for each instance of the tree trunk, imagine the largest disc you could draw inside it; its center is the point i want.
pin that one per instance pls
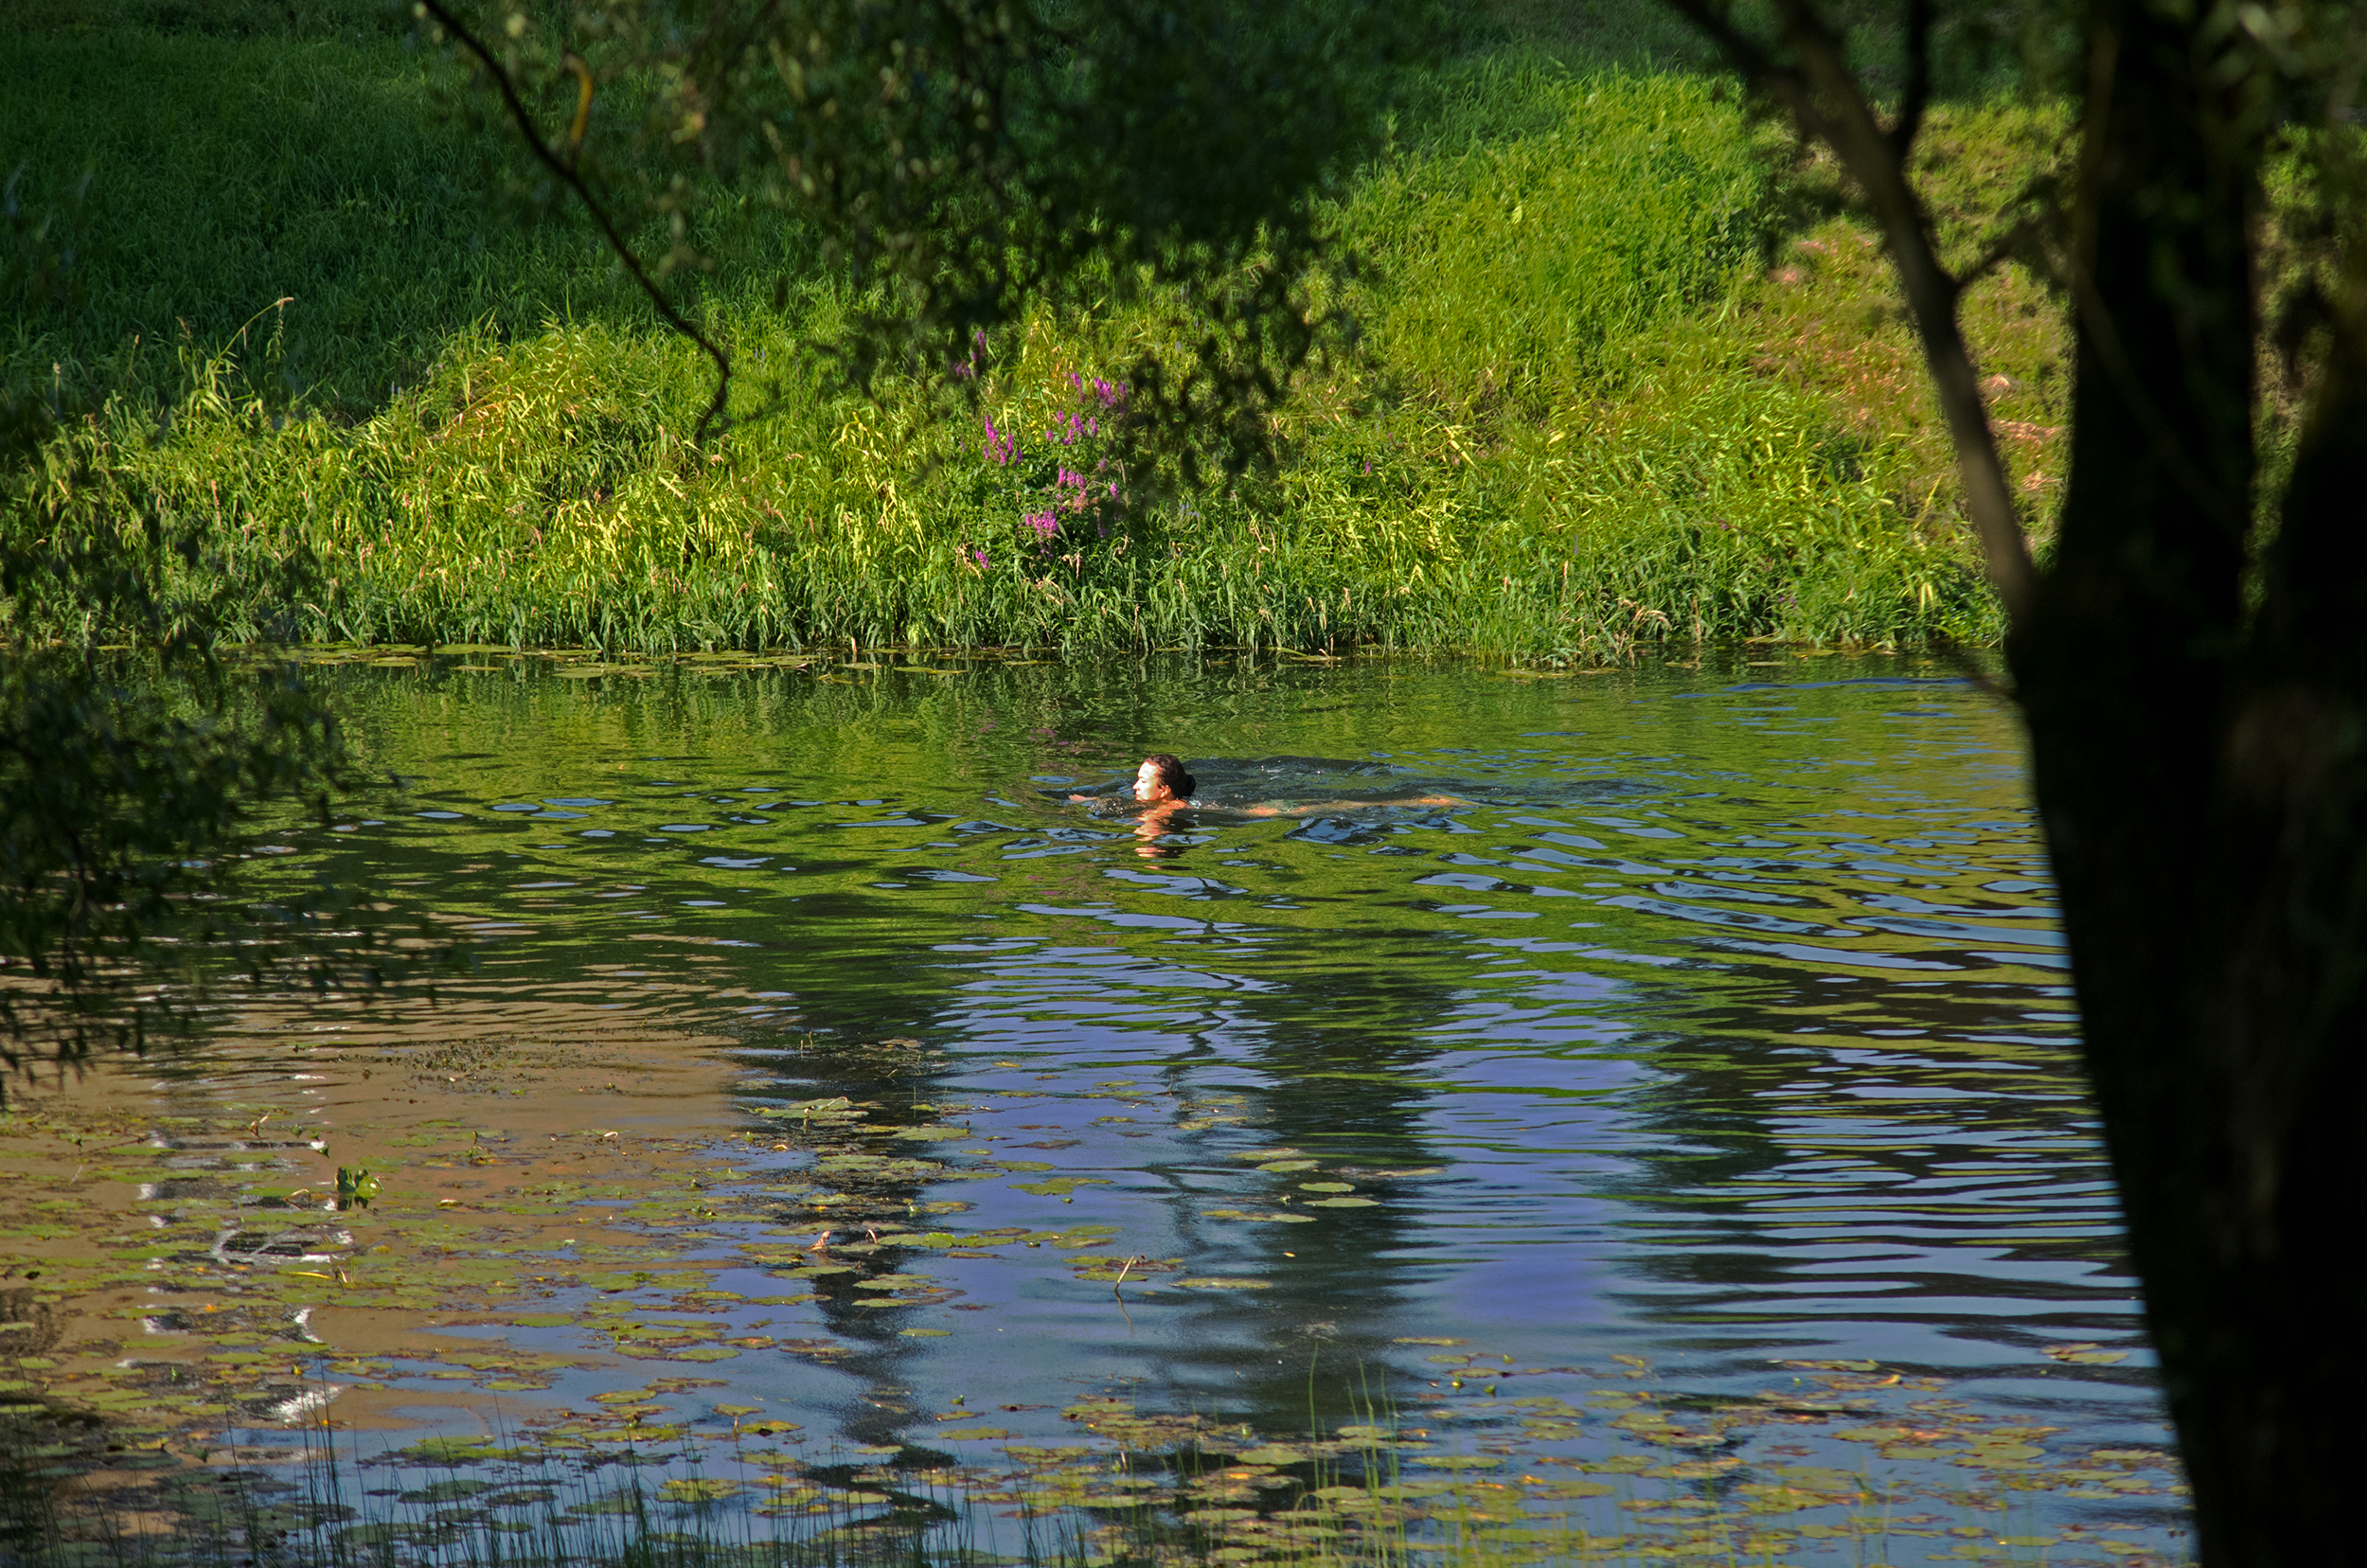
(2197, 769)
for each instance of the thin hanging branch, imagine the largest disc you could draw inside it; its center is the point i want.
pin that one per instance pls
(562, 168)
(1828, 104)
(1918, 95)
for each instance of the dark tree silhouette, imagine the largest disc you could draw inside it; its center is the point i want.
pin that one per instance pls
(139, 767)
(2192, 676)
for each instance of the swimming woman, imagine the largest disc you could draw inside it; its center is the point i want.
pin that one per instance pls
(1163, 785)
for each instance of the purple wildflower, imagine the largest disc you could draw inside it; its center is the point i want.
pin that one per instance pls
(1044, 523)
(1002, 448)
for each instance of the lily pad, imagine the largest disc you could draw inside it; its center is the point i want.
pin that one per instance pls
(697, 1490)
(2084, 1355)
(454, 1451)
(1813, 1478)
(1261, 1216)
(2003, 1453)
(1272, 1454)
(1223, 1282)
(1060, 1186)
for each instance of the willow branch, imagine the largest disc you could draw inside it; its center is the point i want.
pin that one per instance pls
(1918, 95)
(563, 171)
(1825, 101)
(583, 68)
(2013, 243)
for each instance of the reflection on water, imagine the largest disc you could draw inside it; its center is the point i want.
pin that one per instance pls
(1734, 1011)
(1725, 1027)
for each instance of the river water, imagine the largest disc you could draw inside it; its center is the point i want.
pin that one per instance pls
(1718, 1037)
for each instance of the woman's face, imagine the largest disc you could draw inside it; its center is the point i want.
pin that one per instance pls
(1148, 786)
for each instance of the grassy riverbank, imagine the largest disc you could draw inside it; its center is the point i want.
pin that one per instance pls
(1629, 375)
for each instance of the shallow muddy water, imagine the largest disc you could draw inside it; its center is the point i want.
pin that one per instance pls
(1702, 1083)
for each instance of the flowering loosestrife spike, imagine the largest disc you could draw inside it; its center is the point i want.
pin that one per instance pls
(1082, 490)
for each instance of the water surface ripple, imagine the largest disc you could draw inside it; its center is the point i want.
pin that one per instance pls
(1726, 1024)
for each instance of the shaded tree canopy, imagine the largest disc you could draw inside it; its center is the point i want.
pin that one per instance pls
(951, 164)
(135, 783)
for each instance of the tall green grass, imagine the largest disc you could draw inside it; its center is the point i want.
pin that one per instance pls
(1519, 268)
(1558, 436)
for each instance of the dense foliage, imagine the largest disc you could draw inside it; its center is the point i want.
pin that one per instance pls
(1576, 410)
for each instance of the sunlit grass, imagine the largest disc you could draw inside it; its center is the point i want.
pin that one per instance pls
(1587, 414)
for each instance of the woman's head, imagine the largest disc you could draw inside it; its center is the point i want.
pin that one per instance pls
(1162, 777)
